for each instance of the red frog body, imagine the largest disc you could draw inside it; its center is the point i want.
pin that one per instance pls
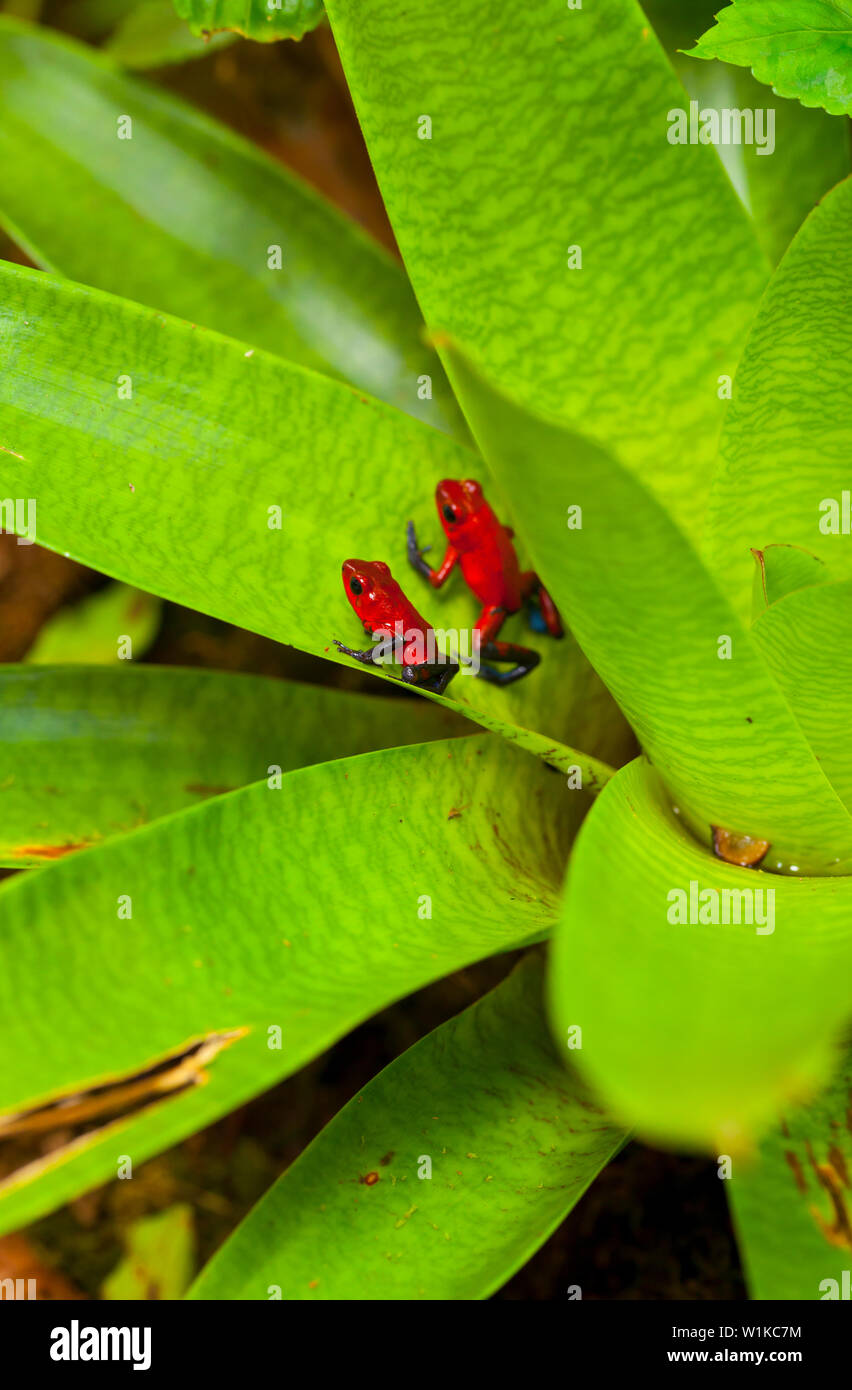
(482, 547)
(386, 613)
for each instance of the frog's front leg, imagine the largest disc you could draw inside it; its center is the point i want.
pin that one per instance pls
(366, 658)
(415, 556)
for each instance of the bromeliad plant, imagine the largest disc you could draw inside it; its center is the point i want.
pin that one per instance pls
(663, 418)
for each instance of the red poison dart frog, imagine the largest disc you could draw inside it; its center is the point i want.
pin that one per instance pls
(384, 609)
(483, 547)
(380, 604)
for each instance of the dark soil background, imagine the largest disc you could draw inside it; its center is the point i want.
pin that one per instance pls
(653, 1225)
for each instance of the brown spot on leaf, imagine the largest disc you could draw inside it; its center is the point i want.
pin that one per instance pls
(839, 1231)
(48, 851)
(370, 1179)
(838, 1163)
(743, 850)
(796, 1167)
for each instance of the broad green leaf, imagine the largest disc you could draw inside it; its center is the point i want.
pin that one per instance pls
(801, 48)
(780, 570)
(152, 34)
(695, 1033)
(526, 160)
(791, 1202)
(159, 1259)
(303, 909)
(91, 630)
(658, 630)
(783, 475)
(89, 753)
(806, 641)
(810, 149)
(513, 1140)
(237, 483)
(186, 216)
(262, 20)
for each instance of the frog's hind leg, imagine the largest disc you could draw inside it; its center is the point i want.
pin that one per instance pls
(525, 660)
(546, 618)
(489, 623)
(491, 619)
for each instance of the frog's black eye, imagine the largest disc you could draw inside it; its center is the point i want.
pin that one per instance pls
(356, 586)
(449, 512)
